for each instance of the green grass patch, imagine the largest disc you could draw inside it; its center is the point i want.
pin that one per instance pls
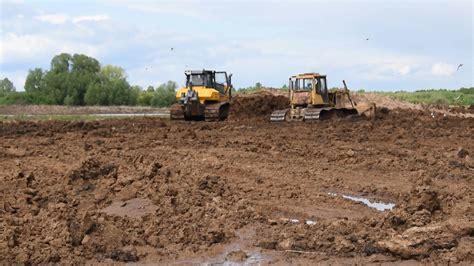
(461, 97)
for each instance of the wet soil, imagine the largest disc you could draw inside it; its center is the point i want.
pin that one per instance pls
(150, 190)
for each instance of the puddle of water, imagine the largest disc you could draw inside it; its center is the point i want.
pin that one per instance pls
(253, 256)
(378, 205)
(296, 221)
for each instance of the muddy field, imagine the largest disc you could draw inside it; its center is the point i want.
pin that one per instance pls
(244, 190)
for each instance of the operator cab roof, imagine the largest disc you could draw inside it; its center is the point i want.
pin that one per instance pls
(308, 76)
(198, 72)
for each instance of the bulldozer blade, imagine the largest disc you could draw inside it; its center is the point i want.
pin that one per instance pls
(176, 112)
(367, 110)
(337, 113)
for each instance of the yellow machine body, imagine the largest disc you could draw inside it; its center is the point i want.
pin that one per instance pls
(206, 96)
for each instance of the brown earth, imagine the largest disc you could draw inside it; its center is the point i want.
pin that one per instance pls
(437, 110)
(257, 105)
(245, 190)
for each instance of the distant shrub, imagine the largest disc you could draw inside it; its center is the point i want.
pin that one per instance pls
(23, 98)
(461, 97)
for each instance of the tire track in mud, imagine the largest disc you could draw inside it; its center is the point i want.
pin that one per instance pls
(206, 181)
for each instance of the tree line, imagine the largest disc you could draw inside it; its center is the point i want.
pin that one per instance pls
(81, 80)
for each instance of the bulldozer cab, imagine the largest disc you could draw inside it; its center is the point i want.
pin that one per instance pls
(308, 89)
(218, 80)
(310, 100)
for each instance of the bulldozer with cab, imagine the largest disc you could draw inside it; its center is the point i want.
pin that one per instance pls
(206, 96)
(311, 100)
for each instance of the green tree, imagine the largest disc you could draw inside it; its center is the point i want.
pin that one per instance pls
(119, 92)
(69, 77)
(56, 80)
(6, 86)
(165, 94)
(61, 63)
(97, 94)
(134, 93)
(258, 85)
(84, 71)
(34, 80)
(144, 98)
(112, 72)
(55, 86)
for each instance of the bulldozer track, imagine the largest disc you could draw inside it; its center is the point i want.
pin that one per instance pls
(216, 111)
(278, 115)
(313, 114)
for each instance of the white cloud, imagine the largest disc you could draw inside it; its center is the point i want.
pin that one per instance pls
(443, 69)
(17, 77)
(15, 46)
(32, 47)
(404, 70)
(96, 18)
(243, 45)
(53, 18)
(58, 19)
(367, 63)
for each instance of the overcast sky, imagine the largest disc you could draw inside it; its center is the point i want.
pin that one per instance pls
(411, 44)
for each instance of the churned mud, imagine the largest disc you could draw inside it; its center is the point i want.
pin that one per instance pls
(150, 190)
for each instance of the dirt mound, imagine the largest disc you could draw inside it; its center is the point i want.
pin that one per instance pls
(160, 191)
(92, 168)
(390, 103)
(260, 105)
(421, 228)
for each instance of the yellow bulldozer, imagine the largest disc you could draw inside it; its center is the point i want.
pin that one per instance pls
(206, 96)
(311, 100)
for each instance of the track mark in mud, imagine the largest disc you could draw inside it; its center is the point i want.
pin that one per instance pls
(134, 208)
(238, 252)
(209, 180)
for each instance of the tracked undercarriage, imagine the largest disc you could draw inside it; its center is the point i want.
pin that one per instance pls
(209, 112)
(310, 100)
(311, 114)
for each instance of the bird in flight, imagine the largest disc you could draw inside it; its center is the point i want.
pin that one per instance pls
(460, 65)
(172, 49)
(367, 39)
